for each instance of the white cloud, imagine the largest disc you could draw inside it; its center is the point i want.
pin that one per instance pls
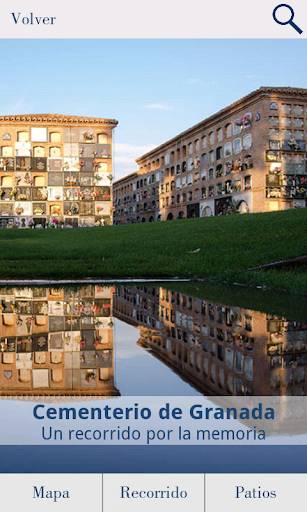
(252, 77)
(158, 106)
(125, 155)
(193, 80)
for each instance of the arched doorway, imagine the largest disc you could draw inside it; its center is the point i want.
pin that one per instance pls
(180, 215)
(170, 216)
(243, 207)
(207, 212)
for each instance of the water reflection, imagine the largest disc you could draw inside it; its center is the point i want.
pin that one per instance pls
(220, 350)
(61, 342)
(57, 341)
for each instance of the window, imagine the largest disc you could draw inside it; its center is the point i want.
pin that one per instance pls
(286, 121)
(183, 181)
(54, 137)
(228, 130)
(220, 134)
(204, 192)
(227, 149)
(204, 159)
(190, 195)
(298, 159)
(298, 110)
(55, 152)
(229, 167)
(23, 136)
(219, 189)
(298, 122)
(6, 151)
(273, 133)
(237, 186)
(197, 145)
(237, 126)
(273, 121)
(286, 158)
(166, 159)
(298, 134)
(38, 151)
(204, 141)
(248, 162)
(7, 181)
(190, 164)
(178, 170)
(286, 134)
(190, 148)
(39, 181)
(273, 106)
(178, 183)
(211, 156)
(190, 179)
(184, 197)
(102, 138)
(196, 177)
(219, 153)
(197, 194)
(211, 138)
(211, 191)
(237, 146)
(103, 167)
(228, 187)
(247, 141)
(219, 171)
(247, 182)
(204, 175)
(211, 173)
(286, 109)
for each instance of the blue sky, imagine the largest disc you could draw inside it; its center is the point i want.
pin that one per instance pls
(154, 88)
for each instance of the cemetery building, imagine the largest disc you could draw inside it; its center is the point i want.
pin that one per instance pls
(56, 170)
(248, 157)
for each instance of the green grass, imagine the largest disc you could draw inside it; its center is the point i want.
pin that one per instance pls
(228, 246)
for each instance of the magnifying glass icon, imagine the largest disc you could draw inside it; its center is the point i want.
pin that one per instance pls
(289, 21)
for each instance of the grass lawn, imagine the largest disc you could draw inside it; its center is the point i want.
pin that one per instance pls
(225, 247)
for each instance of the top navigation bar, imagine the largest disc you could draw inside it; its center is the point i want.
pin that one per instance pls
(161, 19)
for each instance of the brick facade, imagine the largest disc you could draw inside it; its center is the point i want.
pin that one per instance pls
(55, 169)
(249, 157)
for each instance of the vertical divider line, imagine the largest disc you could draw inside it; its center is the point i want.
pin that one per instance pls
(204, 492)
(102, 492)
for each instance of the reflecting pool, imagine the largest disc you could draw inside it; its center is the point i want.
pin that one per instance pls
(144, 339)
